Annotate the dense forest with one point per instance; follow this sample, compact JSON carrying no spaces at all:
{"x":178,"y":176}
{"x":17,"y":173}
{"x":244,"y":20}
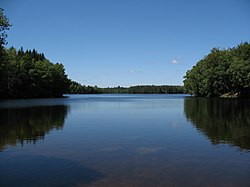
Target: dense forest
{"x":221,"y":72}
{"x":30,"y":74}
{"x":77,"y":88}
{"x":146,"y":89}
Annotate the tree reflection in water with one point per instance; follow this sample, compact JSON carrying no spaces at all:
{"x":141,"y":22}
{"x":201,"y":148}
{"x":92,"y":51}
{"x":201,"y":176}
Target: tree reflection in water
{"x":19,"y":125}
{"x":221,"y":120}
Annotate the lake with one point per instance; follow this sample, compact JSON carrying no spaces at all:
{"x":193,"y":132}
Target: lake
{"x":125,"y":140}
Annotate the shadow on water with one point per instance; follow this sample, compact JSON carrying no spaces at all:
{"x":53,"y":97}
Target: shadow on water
{"x":43,"y":171}
{"x":20,"y":125}
{"x":221,"y":120}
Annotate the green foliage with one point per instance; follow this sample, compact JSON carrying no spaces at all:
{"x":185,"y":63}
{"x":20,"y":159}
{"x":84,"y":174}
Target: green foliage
{"x":155,"y":89}
{"x":115,"y":90}
{"x":77,"y":88}
{"x":4,"y":26}
{"x":30,"y":74}
{"x":221,"y":71}
{"x":239,"y":69}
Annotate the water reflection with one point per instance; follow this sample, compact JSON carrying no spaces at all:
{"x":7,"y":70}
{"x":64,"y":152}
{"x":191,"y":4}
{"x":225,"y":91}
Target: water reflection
{"x":221,"y":120}
{"x":19,"y":125}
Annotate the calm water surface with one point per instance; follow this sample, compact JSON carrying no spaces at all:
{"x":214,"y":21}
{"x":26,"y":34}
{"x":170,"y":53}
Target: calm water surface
{"x":125,"y":140}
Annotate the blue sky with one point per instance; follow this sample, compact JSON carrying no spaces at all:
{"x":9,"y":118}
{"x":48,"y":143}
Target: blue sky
{"x":127,"y":42}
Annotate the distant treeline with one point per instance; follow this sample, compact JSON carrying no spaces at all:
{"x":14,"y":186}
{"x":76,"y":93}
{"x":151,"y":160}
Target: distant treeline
{"x":77,"y":88}
{"x":221,"y":72}
{"x":146,"y":89}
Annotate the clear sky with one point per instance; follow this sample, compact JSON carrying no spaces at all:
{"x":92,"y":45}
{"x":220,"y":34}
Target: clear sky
{"x":127,"y":42}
